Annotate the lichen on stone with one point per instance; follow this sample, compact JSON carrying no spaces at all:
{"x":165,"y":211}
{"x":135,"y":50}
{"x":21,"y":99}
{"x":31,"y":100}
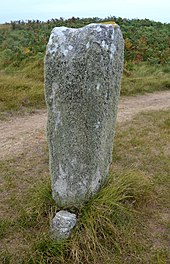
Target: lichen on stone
{"x":83,"y":70}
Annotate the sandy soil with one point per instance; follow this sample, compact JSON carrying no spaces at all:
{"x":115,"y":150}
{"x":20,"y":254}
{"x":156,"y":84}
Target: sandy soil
{"x":19,"y":133}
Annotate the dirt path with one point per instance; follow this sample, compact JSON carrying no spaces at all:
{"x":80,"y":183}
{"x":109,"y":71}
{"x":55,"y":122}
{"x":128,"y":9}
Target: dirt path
{"x":18,"y":134}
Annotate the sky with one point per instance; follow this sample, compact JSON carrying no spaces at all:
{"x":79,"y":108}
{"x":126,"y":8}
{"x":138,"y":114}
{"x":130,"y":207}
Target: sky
{"x":157,"y":10}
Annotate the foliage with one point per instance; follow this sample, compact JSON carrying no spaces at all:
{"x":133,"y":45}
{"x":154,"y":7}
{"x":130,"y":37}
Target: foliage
{"x":145,"y":40}
{"x":22,"y":50}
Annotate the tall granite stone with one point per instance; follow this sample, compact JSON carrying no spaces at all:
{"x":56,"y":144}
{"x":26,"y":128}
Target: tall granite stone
{"x":83,"y":69}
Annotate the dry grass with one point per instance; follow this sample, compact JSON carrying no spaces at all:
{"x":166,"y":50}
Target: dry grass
{"x":142,"y":79}
{"x":127,"y":222}
{"x":5,"y":26}
{"x":20,"y":94}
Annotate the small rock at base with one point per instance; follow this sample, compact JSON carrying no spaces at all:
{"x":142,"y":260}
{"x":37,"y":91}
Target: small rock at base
{"x":62,"y":225}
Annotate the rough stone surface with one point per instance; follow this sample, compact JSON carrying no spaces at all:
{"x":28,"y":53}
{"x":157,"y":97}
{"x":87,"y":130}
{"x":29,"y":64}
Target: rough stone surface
{"x":83,"y":68}
{"x":62,"y":225}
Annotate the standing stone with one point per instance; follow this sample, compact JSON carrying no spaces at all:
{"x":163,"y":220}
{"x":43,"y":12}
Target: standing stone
{"x":83,"y":69}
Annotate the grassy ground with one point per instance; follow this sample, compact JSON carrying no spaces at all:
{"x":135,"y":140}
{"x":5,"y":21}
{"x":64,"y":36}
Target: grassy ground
{"x":22,"y":90}
{"x":142,"y":79}
{"x":126,"y":222}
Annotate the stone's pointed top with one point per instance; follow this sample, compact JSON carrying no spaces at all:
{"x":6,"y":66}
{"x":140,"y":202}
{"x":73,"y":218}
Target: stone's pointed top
{"x":58,"y":30}
{"x":63,"y":39}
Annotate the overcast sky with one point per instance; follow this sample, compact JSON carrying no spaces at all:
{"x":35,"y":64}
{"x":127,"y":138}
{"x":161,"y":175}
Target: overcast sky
{"x":158,"y":10}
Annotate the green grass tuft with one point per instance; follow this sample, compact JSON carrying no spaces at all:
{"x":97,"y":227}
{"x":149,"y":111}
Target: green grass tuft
{"x":106,"y":219}
{"x":45,"y":250}
{"x":103,"y":223}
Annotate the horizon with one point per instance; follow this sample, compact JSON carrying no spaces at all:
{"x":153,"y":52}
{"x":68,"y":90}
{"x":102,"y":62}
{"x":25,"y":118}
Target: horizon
{"x":43,"y":10}
{"x":67,"y":18}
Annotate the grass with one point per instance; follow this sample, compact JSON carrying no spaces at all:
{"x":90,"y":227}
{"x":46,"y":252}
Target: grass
{"x":126,"y":222}
{"x":142,"y":79}
{"x":19,"y":94}
{"x":22,"y":89}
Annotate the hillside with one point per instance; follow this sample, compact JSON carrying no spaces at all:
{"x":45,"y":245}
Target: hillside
{"x":22,"y":50}
{"x":145,"y":40}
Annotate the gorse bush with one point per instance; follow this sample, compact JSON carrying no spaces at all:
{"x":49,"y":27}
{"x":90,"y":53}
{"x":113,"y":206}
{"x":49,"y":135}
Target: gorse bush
{"x":145,"y":40}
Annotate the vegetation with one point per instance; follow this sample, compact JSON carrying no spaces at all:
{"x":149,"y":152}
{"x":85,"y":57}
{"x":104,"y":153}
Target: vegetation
{"x":126,"y":222}
{"x":145,"y":78}
{"x":22,"y":49}
{"x":145,"y":40}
